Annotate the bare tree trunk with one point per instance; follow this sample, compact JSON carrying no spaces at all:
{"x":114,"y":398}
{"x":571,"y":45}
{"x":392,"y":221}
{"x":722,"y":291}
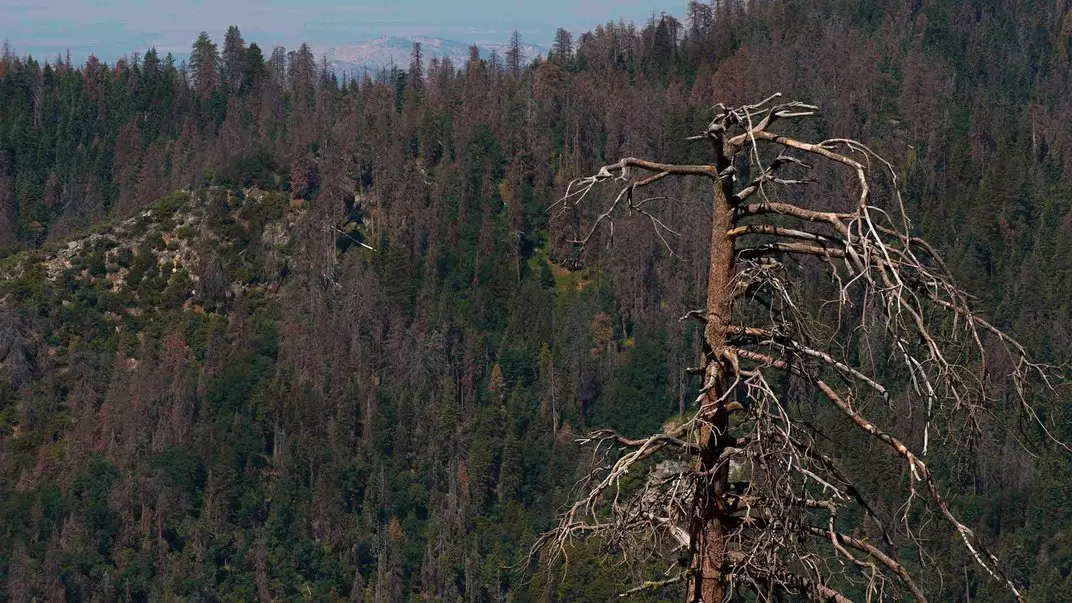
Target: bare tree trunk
{"x":709,"y":529}
{"x":792,"y":485}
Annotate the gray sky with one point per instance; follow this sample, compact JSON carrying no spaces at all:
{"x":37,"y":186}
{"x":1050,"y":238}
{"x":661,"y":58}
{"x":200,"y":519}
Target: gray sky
{"x":112,"y":28}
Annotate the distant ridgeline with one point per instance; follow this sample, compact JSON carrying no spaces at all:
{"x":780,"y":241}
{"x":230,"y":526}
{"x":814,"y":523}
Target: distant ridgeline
{"x":372,"y":56}
{"x":267,"y":332}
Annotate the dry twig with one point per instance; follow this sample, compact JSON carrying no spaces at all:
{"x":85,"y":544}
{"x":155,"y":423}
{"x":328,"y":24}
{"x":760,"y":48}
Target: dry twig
{"x":742,"y":486}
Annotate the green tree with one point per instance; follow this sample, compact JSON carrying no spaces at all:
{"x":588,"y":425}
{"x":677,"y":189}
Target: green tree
{"x":205,"y":65}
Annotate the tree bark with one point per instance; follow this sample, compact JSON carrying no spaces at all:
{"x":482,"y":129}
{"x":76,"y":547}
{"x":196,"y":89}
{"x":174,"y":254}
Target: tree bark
{"x":902,"y":273}
{"x":710,"y":521}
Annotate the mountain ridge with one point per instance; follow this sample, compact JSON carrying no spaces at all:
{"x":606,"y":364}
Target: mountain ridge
{"x":384,"y":51}
{"x":220,"y":394}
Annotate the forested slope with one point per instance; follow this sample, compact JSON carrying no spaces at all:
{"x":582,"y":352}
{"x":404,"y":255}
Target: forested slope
{"x":268,"y":334}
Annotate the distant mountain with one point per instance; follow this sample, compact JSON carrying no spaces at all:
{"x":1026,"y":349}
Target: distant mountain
{"x":373,"y":55}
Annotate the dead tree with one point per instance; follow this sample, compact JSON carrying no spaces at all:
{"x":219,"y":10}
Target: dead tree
{"x":742,"y":490}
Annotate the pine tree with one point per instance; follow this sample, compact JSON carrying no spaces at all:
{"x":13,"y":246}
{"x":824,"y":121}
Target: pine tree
{"x":562,"y":48}
{"x":254,"y":70}
{"x":415,"y":77}
{"x":204,"y":65}
{"x":234,"y":58}
{"x":515,"y":55}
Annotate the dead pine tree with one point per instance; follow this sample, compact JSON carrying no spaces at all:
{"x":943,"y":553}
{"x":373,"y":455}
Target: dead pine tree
{"x":744,"y":492}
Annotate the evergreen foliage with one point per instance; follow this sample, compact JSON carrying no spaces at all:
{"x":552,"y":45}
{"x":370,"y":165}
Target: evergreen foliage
{"x":266,"y":334}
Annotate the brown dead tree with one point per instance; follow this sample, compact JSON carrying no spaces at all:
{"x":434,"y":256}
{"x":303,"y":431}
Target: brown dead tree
{"x":742,"y":491}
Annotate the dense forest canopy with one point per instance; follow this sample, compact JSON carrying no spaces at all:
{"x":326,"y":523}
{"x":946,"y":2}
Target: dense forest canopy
{"x":269,"y":333}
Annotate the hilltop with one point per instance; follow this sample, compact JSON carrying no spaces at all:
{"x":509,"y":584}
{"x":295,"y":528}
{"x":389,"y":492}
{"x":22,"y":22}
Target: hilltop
{"x":184,"y":256}
{"x":210,"y":389}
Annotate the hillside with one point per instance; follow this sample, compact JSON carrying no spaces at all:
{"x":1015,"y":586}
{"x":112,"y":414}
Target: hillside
{"x":168,"y":257}
{"x":268,"y":336}
{"x":165,"y":343}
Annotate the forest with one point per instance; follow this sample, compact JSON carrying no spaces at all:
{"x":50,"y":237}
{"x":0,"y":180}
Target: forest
{"x":272,"y":333}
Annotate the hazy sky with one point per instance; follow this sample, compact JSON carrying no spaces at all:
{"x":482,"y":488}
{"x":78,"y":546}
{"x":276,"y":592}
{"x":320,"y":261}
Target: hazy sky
{"x":111,"y":28}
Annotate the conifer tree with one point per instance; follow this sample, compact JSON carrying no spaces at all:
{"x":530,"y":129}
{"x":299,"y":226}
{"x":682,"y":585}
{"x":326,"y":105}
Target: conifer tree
{"x":234,"y":58}
{"x":254,"y":70}
{"x":562,"y":48}
{"x":515,"y":55}
{"x":204,"y":65}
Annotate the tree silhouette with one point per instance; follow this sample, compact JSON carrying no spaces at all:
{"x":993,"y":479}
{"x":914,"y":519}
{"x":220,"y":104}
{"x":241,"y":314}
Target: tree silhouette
{"x":234,"y":57}
{"x":515,"y":55}
{"x":204,"y":65}
{"x":746,"y":489}
{"x":562,"y":48}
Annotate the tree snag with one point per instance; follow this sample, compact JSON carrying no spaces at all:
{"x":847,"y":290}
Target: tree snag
{"x":742,"y":491}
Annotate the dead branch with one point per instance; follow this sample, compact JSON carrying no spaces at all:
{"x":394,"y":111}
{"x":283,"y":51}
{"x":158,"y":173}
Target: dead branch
{"x":739,"y":483}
